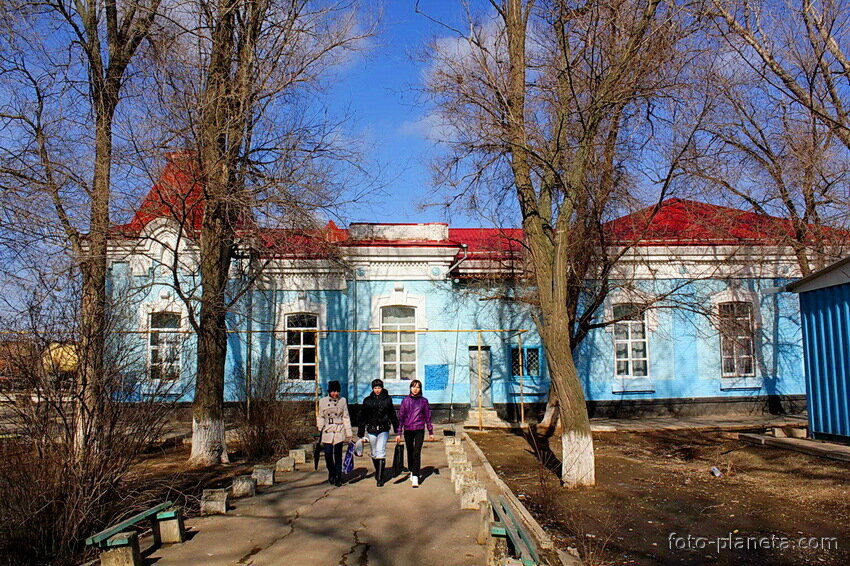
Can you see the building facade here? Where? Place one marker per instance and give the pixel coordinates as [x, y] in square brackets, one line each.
[695, 330]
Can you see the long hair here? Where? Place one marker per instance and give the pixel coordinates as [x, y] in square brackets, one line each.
[416, 382]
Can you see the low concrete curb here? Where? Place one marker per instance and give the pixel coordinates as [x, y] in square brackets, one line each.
[806, 446]
[543, 540]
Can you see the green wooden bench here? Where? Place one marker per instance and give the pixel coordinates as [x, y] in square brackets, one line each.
[166, 525]
[505, 524]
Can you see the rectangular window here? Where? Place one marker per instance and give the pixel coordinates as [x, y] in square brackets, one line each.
[164, 346]
[631, 355]
[531, 361]
[301, 346]
[398, 343]
[736, 339]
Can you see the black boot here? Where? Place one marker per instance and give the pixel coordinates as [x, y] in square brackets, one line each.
[375, 465]
[379, 471]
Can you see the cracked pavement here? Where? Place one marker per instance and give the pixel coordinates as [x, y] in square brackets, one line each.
[304, 520]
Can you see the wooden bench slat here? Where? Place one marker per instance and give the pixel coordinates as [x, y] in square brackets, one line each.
[529, 542]
[514, 531]
[99, 538]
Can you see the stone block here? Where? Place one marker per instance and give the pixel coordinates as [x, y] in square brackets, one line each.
[462, 479]
[452, 440]
[796, 432]
[460, 467]
[508, 561]
[214, 502]
[308, 447]
[243, 486]
[472, 496]
[125, 551]
[454, 459]
[299, 455]
[264, 474]
[286, 464]
[497, 549]
[171, 527]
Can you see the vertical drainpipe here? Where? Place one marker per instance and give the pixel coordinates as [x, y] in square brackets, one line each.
[464, 248]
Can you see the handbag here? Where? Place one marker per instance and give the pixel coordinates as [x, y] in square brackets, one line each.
[348, 461]
[398, 459]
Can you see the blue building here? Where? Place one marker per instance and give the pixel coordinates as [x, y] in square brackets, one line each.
[435, 303]
[825, 310]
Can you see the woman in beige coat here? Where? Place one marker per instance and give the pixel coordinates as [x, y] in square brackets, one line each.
[335, 427]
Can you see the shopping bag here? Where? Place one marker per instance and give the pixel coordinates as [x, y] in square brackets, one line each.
[398, 459]
[348, 461]
[358, 447]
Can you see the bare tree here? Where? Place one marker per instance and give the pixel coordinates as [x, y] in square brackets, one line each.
[242, 84]
[66, 66]
[773, 155]
[548, 100]
[797, 47]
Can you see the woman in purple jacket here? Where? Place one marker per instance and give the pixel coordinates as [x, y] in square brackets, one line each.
[414, 416]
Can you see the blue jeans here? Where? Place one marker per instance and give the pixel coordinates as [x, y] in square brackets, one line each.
[378, 444]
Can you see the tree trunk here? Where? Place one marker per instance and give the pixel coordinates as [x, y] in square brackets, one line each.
[577, 462]
[90, 370]
[208, 427]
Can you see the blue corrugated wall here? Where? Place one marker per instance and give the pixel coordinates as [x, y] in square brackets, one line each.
[826, 345]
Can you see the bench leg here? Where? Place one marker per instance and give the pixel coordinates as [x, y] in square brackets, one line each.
[497, 550]
[126, 555]
[172, 530]
[484, 521]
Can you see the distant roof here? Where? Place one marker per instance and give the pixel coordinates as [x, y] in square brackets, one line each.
[680, 222]
[674, 222]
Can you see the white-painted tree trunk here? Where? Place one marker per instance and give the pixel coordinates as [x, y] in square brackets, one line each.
[208, 442]
[578, 468]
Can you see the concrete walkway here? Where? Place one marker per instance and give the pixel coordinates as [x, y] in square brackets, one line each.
[306, 521]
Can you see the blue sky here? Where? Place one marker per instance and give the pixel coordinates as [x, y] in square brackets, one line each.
[380, 89]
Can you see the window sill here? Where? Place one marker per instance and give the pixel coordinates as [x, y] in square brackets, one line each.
[743, 383]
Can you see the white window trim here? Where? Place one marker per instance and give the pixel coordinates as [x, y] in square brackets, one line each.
[301, 305]
[165, 304]
[736, 295]
[631, 296]
[398, 298]
[631, 378]
[398, 362]
[285, 347]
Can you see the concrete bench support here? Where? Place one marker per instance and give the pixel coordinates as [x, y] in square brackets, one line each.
[214, 502]
[170, 526]
[460, 468]
[122, 550]
[244, 486]
[299, 455]
[463, 479]
[264, 475]
[472, 496]
[286, 464]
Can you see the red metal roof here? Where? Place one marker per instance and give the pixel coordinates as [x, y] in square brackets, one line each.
[679, 222]
[675, 222]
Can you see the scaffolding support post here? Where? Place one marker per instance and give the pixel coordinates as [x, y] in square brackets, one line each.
[480, 392]
[521, 382]
[318, 377]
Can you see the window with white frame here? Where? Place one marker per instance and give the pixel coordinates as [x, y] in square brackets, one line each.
[398, 343]
[631, 355]
[164, 346]
[301, 332]
[736, 338]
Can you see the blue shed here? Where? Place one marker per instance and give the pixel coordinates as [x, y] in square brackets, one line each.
[825, 313]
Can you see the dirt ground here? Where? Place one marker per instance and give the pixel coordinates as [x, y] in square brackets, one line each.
[657, 502]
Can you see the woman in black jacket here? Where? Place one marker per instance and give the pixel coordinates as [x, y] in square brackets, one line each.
[377, 415]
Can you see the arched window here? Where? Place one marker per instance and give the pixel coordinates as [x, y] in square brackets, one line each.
[398, 343]
[631, 355]
[735, 320]
[301, 346]
[164, 346]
